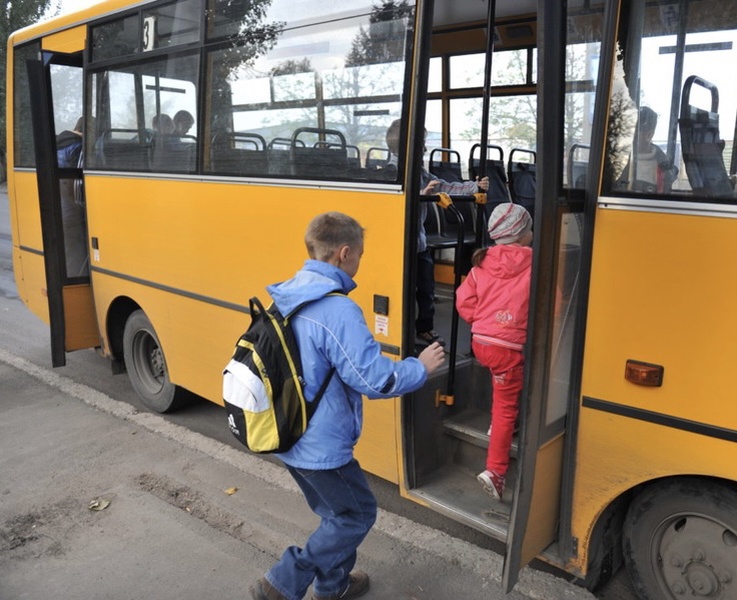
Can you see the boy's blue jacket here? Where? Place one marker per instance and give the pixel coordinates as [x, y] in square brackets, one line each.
[332, 332]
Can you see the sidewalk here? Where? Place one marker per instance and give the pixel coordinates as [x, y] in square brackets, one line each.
[171, 530]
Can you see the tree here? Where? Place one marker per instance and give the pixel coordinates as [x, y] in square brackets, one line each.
[17, 14]
[384, 40]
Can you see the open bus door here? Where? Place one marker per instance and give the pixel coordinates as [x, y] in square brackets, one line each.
[541, 513]
[56, 91]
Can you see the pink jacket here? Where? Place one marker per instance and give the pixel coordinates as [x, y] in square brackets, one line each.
[495, 296]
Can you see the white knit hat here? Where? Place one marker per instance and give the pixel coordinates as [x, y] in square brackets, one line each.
[508, 223]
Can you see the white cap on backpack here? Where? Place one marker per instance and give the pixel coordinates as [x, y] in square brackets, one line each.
[508, 223]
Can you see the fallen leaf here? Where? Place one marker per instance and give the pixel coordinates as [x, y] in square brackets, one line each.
[231, 490]
[99, 504]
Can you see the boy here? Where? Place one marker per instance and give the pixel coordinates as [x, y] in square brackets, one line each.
[331, 333]
[494, 298]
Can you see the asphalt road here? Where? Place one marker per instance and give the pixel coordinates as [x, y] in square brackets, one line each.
[205, 418]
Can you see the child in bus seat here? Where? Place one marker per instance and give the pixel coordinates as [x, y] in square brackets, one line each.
[654, 171]
[494, 299]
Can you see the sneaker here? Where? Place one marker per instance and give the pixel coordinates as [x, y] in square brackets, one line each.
[492, 483]
[263, 590]
[431, 336]
[358, 585]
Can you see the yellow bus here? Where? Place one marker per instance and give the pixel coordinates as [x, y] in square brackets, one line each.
[214, 130]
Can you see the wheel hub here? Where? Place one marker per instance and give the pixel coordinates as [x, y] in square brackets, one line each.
[701, 579]
[696, 557]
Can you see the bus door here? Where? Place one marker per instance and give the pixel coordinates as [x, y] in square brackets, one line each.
[571, 47]
[56, 86]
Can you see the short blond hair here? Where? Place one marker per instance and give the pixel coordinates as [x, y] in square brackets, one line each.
[329, 231]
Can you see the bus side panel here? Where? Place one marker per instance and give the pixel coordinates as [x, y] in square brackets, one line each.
[28, 261]
[661, 293]
[199, 245]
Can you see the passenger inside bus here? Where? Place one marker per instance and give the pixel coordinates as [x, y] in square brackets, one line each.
[68, 156]
[183, 122]
[654, 171]
[173, 149]
[162, 124]
[429, 184]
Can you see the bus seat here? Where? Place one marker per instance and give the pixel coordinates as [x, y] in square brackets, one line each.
[496, 172]
[577, 167]
[376, 158]
[449, 169]
[239, 153]
[173, 153]
[120, 149]
[277, 154]
[701, 145]
[523, 179]
[353, 154]
[318, 160]
[436, 232]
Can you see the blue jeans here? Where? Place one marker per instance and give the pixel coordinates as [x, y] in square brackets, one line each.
[347, 508]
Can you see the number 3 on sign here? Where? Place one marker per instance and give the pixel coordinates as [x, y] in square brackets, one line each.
[149, 29]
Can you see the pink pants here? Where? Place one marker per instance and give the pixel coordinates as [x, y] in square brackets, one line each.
[507, 369]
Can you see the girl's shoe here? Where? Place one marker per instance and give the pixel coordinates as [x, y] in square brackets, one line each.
[492, 483]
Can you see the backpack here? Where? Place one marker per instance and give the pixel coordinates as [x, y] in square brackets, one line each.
[263, 388]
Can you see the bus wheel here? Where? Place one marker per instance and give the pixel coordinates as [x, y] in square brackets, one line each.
[146, 365]
[680, 541]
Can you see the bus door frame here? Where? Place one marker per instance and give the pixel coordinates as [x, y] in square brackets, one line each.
[542, 506]
[72, 319]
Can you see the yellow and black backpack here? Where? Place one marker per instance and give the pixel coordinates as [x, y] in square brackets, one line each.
[263, 387]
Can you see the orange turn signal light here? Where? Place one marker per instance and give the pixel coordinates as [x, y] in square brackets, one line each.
[643, 373]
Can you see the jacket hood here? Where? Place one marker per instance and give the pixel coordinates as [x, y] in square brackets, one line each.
[506, 261]
[315, 280]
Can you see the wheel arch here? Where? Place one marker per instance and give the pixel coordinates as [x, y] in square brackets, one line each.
[604, 552]
[118, 312]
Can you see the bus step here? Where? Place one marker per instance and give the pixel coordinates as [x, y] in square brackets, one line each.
[471, 427]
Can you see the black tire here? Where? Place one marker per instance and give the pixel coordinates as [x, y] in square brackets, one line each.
[146, 365]
[680, 541]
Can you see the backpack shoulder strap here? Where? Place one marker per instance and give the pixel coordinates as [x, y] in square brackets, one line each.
[312, 406]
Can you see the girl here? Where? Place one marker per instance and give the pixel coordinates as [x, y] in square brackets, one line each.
[494, 299]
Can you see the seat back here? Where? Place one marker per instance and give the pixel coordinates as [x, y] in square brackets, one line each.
[446, 164]
[497, 173]
[523, 178]
[122, 149]
[376, 158]
[701, 145]
[353, 155]
[239, 153]
[173, 153]
[278, 156]
[318, 160]
[577, 167]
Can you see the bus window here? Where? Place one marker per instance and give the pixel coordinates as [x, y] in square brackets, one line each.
[130, 101]
[115, 39]
[22, 137]
[347, 76]
[171, 25]
[683, 106]
[582, 65]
